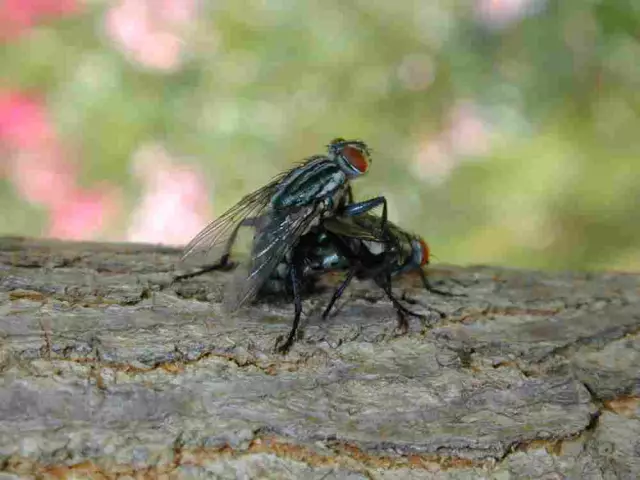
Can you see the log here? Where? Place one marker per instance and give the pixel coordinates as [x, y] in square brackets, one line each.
[107, 369]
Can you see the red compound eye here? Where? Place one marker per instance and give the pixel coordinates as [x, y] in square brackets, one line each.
[356, 158]
[426, 253]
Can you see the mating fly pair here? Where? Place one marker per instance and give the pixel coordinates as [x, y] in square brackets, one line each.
[359, 246]
[289, 217]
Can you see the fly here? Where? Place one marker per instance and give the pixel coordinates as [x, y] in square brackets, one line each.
[284, 210]
[366, 251]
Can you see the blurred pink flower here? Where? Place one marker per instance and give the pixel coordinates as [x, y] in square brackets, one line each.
[149, 31]
[416, 71]
[17, 16]
[42, 174]
[82, 213]
[175, 202]
[498, 14]
[35, 164]
[23, 122]
[434, 161]
[42, 177]
[466, 135]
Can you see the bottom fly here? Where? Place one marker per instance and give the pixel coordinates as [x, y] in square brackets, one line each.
[359, 246]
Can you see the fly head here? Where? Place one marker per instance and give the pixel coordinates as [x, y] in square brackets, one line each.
[421, 252]
[353, 156]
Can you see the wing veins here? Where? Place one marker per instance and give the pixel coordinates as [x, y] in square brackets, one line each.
[274, 252]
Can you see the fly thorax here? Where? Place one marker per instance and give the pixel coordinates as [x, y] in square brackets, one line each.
[333, 201]
[337, 183]
[309, 184]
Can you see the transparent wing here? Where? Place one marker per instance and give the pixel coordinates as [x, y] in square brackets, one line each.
[364, 227]
[364, 231]
[354, 227]
[274, 240]
[221, 232]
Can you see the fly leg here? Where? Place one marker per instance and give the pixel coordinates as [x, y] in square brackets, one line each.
[223, 264]
[430, 288]
[297, 265]
[359, 208]
[403, 311]
[338, 293]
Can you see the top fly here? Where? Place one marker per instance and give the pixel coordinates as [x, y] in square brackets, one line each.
[285, 209]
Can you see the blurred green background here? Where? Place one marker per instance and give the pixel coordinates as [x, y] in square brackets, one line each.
[504, 131]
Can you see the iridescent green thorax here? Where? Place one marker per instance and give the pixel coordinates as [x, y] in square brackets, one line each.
[323, 176]
[315, 180]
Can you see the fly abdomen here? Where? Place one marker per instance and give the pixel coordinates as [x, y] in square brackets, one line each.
[327, 260]
[334, 261]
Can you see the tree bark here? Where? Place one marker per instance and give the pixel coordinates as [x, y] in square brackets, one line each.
[107, 369]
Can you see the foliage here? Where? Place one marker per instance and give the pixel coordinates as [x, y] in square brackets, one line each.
[504, 131]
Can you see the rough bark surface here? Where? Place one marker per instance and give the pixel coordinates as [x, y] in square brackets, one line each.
[107, 370]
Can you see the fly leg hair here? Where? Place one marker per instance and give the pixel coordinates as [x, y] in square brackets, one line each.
[402, 311]
[223, 264]
[297, 268]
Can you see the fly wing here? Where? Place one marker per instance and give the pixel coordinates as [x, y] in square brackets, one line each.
[221, 232]
[353, 227]
[365, 232]
[275, 237]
